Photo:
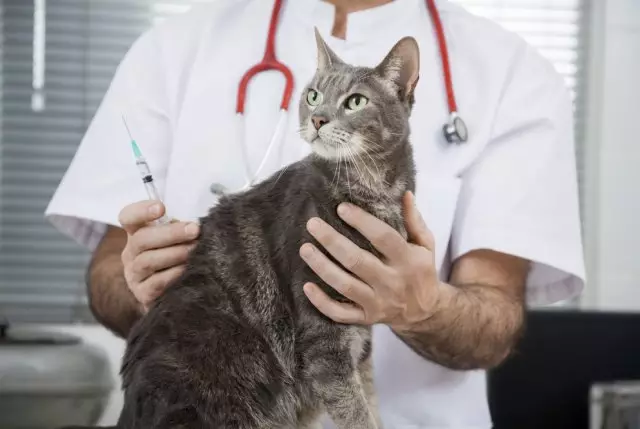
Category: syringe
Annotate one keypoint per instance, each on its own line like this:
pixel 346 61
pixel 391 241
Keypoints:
pixel 145 173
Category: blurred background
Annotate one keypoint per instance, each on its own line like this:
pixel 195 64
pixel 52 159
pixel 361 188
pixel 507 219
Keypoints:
pixel 57 58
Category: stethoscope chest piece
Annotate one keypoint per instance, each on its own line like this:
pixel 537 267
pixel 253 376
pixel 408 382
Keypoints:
pixel 217 189
pixel 456 130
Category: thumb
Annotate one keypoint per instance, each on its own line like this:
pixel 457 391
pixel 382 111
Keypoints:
pixel 416 227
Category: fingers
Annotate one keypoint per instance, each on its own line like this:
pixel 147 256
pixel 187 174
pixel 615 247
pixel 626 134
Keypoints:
pixel 336 277
pixel 157 237
pixel 384 238
pixel 336 311
pixel 353 258
pixel 154 255
pixel 415 224
pixel 147 263
pixel 149 290
pixel 136 215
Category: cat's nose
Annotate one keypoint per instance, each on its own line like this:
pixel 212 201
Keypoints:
pixel 319 121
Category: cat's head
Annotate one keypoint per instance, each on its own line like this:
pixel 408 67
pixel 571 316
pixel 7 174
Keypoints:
pixel 346 111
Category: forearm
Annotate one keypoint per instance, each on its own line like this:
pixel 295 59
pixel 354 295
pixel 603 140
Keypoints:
pixel 472 327
pixel 110 300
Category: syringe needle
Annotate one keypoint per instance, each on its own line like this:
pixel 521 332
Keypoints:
pixel 127 127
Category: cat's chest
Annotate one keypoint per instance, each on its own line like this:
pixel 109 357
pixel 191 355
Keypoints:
pixel 391 214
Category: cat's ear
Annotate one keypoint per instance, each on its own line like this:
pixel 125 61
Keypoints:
pixel 326 57
pixel 401 67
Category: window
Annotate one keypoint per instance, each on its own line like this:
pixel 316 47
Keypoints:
pixel 557 28
pixel 57 59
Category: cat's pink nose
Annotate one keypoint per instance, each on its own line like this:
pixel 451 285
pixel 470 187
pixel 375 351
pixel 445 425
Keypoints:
pixel 319 121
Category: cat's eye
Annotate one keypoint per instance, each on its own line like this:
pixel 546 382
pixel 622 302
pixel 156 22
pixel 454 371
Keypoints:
pixel 356 102
pixel 314 97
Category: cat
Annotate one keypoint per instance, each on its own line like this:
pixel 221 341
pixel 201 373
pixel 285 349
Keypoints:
pixel 234 343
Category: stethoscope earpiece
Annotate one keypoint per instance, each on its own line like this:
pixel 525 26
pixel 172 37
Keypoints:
pixel 455 131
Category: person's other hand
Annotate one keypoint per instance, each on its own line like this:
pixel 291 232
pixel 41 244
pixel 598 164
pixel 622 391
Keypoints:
pixel 399 289
pixel 154 255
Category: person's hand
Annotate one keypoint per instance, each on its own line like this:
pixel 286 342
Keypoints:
pixel 154 255
pixel 399 289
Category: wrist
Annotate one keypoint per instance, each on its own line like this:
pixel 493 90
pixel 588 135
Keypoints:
pixel 429 308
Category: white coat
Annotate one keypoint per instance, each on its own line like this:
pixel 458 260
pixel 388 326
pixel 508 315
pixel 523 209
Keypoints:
pixel 511 188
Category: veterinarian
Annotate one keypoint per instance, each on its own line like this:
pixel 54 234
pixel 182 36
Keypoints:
pixel 494 223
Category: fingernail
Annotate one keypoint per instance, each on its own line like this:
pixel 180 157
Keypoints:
pixel 313 224
pixel 343 209
pixel 306 250
pixel 154 210
pixel 308 289
pixel 191 230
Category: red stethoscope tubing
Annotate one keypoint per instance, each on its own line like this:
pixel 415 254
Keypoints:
pixel 444 55
pixel 271 62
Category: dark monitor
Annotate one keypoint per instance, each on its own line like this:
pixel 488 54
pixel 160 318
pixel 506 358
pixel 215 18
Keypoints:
pixel 546 384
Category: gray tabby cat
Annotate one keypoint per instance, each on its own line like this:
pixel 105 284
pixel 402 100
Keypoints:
pixel 235 343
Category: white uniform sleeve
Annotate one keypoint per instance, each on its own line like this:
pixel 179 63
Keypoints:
pixel 103 177
pixel 520 197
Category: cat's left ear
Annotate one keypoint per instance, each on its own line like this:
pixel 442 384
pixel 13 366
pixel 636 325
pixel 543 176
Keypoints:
pixel 401 67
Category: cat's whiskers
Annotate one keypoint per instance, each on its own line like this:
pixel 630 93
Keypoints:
pixel 349 154
pixel 372 144
pixel 347 173
pixel 353 154
pixel 338 178
pixel 343 137
pixel 355 164
pixel 335 172
pixel 375 164
pixel 373 177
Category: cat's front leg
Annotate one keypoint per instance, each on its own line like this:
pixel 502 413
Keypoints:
pixel 310 418
pixel 333 370
pixel 346 402
pixel 365 370
pixel 314 425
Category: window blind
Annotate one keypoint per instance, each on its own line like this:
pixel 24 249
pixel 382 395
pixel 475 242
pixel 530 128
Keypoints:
pixel 558 30
pixel 57 60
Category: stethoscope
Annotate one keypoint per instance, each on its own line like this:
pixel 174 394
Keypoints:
pixel 454 131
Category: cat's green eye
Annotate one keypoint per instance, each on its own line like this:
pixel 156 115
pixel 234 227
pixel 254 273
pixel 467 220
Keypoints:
pixel 314 97
pixel 356 102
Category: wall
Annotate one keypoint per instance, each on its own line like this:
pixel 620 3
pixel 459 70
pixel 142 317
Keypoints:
pixel 613 205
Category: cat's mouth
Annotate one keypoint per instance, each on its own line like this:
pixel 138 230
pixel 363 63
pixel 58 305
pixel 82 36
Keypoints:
pixel 329 142
pixel 329 149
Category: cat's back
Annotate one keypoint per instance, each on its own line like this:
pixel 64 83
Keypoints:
pixel 261 227
pixel 230 309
